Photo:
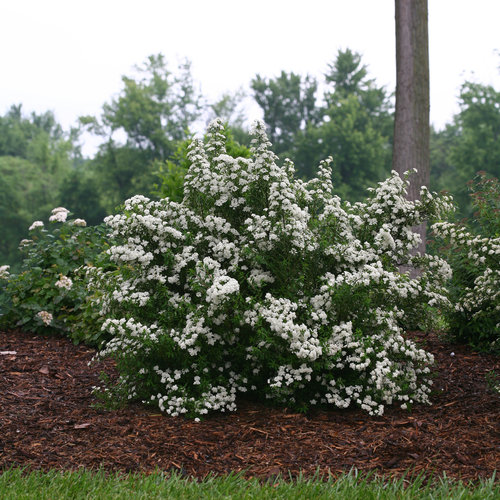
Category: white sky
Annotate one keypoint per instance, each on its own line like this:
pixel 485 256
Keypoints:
pixel 69 56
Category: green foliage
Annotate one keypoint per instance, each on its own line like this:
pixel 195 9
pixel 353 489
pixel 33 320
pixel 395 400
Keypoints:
pixel 82 190
pixel 229 109
pixel 472 249
pixel 357 127
pixel 36 155
pixel 37 138
pixel 49 293
pixel 485 195
pixel 289 106
pixel 442 173
pixel 120 171
pixel 172 172
pixel 153 112
pixel 479 121
pixel 154 109
pixel 469 145
pixel 352 121
pixel 360 150
pixel 20 192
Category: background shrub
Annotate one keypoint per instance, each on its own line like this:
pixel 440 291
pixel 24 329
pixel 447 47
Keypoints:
pixel 50 291
pixel 472 249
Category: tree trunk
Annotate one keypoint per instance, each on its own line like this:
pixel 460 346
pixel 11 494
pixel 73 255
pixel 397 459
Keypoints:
pixel 411 126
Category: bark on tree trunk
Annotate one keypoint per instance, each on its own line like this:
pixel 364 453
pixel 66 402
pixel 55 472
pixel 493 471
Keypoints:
pixel 411 125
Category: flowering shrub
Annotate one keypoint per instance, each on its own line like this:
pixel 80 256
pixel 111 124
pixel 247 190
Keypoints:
pixel 474 317
pixel 262 284
pixel 50 291
pixel 171 173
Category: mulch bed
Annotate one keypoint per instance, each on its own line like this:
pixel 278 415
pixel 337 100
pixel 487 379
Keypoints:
pixel 47 420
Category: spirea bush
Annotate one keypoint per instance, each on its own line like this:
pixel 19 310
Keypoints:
pixel 49 293
pixel 472 248
pixel 264 285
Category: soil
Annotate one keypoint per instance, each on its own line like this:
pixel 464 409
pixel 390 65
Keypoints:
pixel 48 420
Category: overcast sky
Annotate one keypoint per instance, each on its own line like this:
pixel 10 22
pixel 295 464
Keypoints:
pixel 69 56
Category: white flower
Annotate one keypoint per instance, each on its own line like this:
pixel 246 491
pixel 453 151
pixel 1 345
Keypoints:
pixel 58 216
pixel 64 282
pixel 24 243
pixel 37 223
pixel 79 222
pixel 4 272
pixel 60 210
pixel 384 239
pixel 45 316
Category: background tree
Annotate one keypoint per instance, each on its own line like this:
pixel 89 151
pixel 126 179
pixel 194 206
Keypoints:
pixel 230 109
pixel 441 142
pixel 39 139
pixel 36 156
pixel 478 149
pixel 80 192
pixel 411 125
pixel 356 127
pixel 21 189
pixel 351 120
pixel 152 113
pixel 289 106
pixel 471 143
pixel 479 125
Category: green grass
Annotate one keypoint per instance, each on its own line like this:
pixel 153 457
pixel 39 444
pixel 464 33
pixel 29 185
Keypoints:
pixel 18 484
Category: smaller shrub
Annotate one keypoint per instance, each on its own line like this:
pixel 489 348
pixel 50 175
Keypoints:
pixel 50 291
pixel 472 248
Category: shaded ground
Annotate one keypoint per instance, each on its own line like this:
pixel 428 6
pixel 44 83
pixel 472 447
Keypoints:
pixel 47 421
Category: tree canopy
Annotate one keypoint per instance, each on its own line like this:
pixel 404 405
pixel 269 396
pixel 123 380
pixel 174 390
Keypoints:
pixel 145 130
pixel 151 114
pixel 351 120
pixel 468 145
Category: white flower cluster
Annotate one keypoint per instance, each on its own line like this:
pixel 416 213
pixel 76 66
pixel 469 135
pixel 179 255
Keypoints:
pixel 483 296
pixel 274 276
pixel 45 316
pixel 37 223
pixel 176 401
pixel 24 243
pixel 80 222
pixel 280 315
pixel 129 336
pixel 4 272
pixel 64 282
pixel 59 214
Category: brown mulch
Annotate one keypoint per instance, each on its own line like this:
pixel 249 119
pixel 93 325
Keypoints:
pixel 47 420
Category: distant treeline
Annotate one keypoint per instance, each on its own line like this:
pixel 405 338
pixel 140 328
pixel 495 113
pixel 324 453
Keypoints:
pixel 145 132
